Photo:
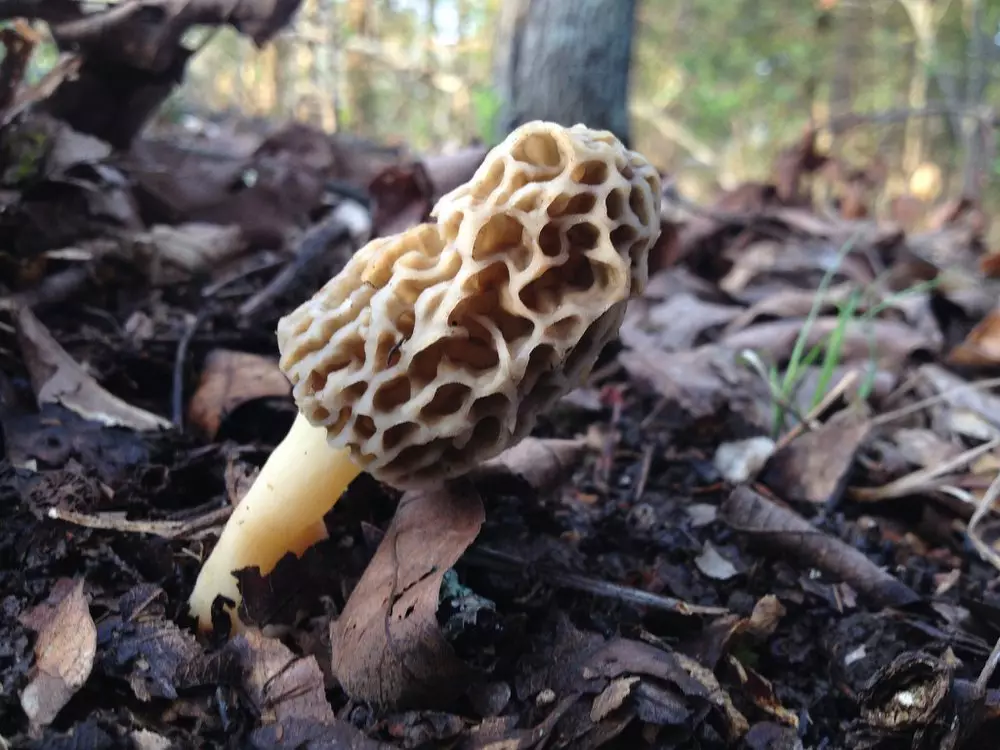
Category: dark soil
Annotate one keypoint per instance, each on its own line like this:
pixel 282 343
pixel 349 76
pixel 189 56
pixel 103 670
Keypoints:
pixel 599 526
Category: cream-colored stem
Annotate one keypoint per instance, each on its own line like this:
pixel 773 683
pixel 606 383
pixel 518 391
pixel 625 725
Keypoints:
pixel 282 512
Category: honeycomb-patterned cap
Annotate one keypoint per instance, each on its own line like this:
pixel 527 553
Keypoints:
pixel 435 349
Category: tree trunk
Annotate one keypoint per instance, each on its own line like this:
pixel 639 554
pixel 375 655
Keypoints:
pixel 566 61
pixel 851 23
pixel 362 20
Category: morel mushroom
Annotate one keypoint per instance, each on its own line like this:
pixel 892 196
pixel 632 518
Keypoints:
pixel 436 349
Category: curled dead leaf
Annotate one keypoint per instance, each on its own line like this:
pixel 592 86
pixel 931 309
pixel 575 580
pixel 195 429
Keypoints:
pixel 401 197
pixel 289 696
pixel 193 247
pixel 782 531
pixel 982 346
pixel 229 380
pixel 761 692
pixel 387 646
pixel 712 564
pixel 541 462
pixel 59 379
pixel 64 650
pixel 814 467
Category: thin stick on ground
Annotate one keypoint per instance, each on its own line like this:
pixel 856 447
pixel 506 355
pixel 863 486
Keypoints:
pixel 484 557
pixel 177 390
pixel 984 507
pixel 832 395
pixel 193 528
pixel 989 668
pixel 905 411
pixel 922 479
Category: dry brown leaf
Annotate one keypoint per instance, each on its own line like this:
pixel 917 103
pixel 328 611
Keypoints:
pixel 448 171
pixel 387 647
pixel 780 531
pixel 961 397
pixel 280 684
pixel 677 322
pixel 715 641
pixel 611 698
pixel 229 380
pixel 791 303
pixel 794 162
pixel 923 447
pixel 702 381
pixel 712 564
pixel 57 378
pixel 289 694
pixel 64 650
pixel 541 462
pixel 761 692
pixel 814 467
pixel 982 346
pixel 401 198
pixel 194 247
pixel 892 342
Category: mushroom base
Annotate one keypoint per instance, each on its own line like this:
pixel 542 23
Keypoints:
pixel 282 512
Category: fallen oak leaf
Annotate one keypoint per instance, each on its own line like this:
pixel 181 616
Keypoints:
pixel 64 651
pixel 57 378
pixel 672 688
pixel 387 646
pixel 280 684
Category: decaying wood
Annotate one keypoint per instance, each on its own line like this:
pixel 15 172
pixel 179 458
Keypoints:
pixel 132 53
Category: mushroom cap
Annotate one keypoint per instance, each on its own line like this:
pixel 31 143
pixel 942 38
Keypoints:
pixel 435 349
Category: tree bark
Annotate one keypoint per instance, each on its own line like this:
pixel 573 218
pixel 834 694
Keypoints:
pixel 567 61
pixel 852 20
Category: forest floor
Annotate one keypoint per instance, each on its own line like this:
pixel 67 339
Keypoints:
pixel 764 522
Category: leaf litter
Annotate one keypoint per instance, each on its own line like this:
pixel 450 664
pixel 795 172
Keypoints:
pixel 767 520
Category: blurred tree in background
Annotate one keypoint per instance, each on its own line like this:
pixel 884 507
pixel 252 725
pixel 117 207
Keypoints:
pixel 717 89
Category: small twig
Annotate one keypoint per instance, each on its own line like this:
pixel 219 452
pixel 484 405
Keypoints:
pixel 266 262
pixel 647 463
pixel 905 411
pixel 984 507
pixel 167 529
pixel 832 395
pixel 486 557
pixel 989 668
pixel 753 360
pixel 921 478
pixel 177 393
pixel 348 223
